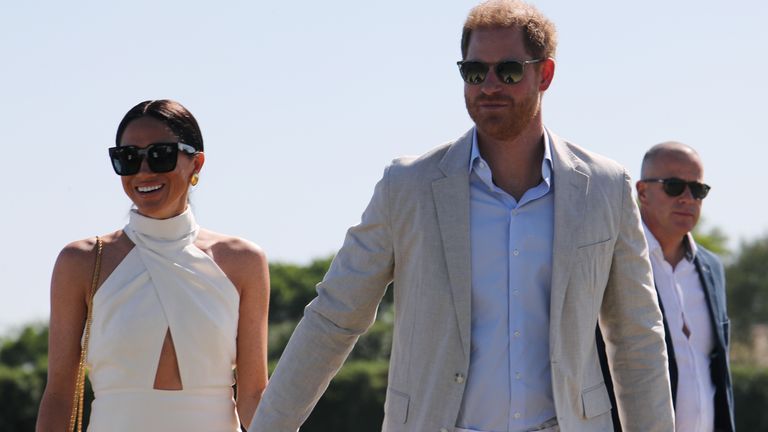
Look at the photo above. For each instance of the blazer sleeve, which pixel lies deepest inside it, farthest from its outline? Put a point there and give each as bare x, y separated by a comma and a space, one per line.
345, 307
632, 326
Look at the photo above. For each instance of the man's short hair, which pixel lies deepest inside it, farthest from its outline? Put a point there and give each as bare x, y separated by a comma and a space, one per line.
666, 149
539, 32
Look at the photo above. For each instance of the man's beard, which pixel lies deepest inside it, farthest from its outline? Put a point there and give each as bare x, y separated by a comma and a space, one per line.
503, 125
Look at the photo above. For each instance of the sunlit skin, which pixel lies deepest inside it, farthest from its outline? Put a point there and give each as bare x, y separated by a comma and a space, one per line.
508, 117
171, 199
670, 218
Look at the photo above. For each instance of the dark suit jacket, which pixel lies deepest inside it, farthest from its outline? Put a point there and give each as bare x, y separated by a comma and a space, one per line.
712, 278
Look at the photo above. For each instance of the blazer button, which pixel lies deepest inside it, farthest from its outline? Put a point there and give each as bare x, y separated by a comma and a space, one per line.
458, 378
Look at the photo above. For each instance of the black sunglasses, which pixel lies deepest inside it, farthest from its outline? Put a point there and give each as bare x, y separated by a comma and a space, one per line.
161, 157
674, 186
508, 71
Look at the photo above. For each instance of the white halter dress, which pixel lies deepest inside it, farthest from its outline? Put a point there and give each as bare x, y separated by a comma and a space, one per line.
164, 283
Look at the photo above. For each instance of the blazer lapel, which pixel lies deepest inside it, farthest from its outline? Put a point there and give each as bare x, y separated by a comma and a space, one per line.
705, 275
451, 195
671, 359
571, 183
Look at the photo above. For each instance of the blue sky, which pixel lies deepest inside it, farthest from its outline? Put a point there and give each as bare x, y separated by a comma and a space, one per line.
302, 104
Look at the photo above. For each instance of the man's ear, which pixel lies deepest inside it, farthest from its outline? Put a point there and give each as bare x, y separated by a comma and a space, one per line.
547, 73
642, 192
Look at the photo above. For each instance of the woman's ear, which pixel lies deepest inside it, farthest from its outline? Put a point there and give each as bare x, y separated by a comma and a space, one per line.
199, 161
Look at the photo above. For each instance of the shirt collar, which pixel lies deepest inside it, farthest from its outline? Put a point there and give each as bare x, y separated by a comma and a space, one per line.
655, 247
546, 162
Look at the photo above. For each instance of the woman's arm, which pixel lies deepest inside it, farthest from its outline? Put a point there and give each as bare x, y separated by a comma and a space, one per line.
247, 268
69, 287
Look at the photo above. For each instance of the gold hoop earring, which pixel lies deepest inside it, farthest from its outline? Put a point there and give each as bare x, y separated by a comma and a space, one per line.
195, 178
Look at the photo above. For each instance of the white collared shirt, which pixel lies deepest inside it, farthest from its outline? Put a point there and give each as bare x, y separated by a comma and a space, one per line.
685, 306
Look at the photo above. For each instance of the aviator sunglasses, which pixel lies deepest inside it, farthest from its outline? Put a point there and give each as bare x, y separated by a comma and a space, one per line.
161, 157
674, 186
509, 71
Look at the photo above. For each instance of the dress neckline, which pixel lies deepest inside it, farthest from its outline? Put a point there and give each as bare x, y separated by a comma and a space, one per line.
178, 231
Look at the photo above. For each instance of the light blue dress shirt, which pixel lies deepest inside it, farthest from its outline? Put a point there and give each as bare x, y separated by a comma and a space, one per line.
509, 383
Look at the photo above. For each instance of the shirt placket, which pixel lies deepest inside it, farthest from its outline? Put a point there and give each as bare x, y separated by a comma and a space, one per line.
515, 334
688, 340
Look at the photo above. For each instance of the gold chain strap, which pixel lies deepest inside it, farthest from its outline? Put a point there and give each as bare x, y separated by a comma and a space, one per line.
78, 400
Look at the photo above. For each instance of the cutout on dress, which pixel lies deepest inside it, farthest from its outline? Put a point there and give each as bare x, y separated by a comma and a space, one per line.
168, 376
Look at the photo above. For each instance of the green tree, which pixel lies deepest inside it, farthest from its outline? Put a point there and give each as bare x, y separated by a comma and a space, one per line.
747, 282
713, 239
354, 400
293, 287
23, 373
750, 394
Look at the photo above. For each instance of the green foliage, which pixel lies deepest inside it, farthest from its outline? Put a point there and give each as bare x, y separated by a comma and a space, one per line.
714, 239
354, 400
23, 369
21, 388
293, 287
747, 288
376, 343
30, 344
750, 393
279, 333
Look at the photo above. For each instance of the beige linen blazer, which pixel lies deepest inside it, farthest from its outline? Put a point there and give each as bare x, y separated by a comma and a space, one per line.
415, 232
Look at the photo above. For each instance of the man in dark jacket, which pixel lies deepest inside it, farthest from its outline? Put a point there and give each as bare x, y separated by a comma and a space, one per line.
691, 287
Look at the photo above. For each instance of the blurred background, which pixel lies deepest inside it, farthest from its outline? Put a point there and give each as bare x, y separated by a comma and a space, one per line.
302, 106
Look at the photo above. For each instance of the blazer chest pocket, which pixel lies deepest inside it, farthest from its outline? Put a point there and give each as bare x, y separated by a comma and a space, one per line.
396, 406
595, 250
594, 244
593, 263
595, 401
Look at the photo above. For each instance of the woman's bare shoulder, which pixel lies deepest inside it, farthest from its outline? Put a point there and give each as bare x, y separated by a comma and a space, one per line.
241, 260
229, 247
81, 253
77, 252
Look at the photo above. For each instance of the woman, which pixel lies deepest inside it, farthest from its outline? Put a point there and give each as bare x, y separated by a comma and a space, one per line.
177, 306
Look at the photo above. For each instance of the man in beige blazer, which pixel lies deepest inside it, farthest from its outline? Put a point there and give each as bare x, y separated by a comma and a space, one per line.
430, 228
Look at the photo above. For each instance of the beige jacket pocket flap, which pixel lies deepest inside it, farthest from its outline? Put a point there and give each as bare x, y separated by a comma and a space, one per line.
595, 401
396, 406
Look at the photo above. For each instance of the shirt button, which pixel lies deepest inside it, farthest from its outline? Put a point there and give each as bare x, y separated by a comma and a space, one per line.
482, 165
443, 430
459, 378
515, 292
517, 333
517, 415
516, 252
517, 375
